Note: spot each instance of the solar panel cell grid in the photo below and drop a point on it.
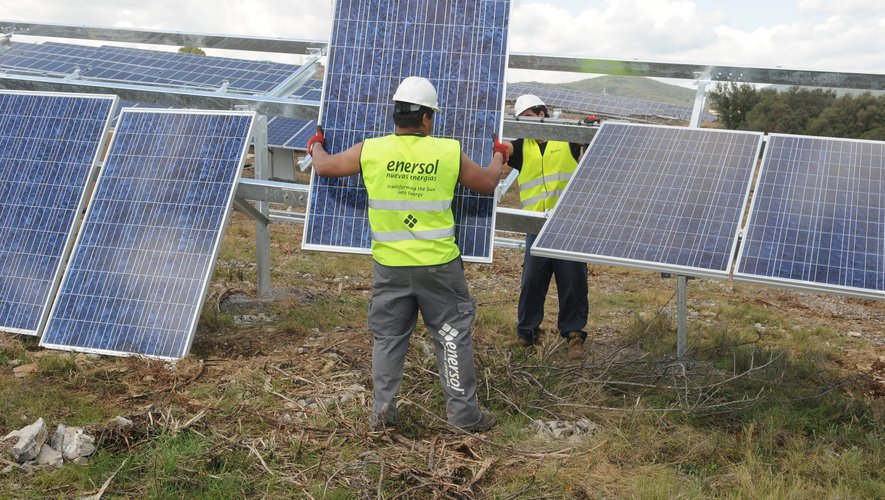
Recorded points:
(147, 66)
(49, 144)
(138, 273)
(817, 219)
(662, 198)
(459, 46)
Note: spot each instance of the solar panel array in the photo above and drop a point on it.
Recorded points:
(140, 268)
(460, 46)
(121, 64)
(817, 219)
(662, 198)
(290, 133)
(49, 146)
(592, 102)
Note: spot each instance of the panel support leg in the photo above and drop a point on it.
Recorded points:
(262, 227)
(681, 315)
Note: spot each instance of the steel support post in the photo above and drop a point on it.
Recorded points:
(681, 315)
(262, 228)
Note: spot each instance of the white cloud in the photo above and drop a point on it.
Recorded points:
(848, 39)
(812, 34)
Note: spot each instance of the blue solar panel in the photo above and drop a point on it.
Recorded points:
(121, 64)
(139, 270)
(817, 220)
(49, 145)
(286, 133)
(460, 46)
(312, 90)
(667, 199)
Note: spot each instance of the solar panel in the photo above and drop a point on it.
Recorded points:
(460, 46)
(122, 64)
(593, 102)
(140, 268)
(49, 146)
(287, 133)
(666, 199)
(817, 220)
(312, 90)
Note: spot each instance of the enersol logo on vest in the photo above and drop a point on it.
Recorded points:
(450, 358)
(409, 167)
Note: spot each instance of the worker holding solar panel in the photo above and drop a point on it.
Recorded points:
(545, 168)
(411, 177)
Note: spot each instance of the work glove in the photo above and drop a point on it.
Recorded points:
(317, 138)
(500, 147)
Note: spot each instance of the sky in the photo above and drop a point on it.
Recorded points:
(843, 35)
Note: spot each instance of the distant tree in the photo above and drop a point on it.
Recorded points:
(788, 112)
(188, 49)
(860, 117)
(733, 101)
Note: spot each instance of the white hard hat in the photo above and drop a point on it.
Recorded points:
(526, 101)
(417, 90)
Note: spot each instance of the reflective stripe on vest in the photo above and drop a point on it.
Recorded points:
(543, 177)
(411, 181)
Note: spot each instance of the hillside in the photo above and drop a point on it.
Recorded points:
(634, 87)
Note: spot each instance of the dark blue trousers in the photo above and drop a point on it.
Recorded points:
(571, 283)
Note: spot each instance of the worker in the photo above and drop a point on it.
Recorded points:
(544, 170)
(410, 177)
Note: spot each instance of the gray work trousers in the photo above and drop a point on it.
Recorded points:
(440, 293)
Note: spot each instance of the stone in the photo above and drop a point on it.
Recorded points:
(72, 442)
(48, 456)
(30, 440)
(119, 422)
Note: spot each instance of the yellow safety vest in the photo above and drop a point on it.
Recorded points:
(411, 181)
(543, 177)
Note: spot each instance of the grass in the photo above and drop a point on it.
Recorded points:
(765, 409)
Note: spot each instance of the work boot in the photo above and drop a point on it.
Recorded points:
(575, 345)
(486, 422)
(518, 342)
(384, 418)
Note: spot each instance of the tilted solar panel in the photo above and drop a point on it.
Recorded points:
(666, 199)
(284, 132)
(594, 102)
(140, 268)
(460, 46)
(817, 220)
(122, 64)
(49, 147)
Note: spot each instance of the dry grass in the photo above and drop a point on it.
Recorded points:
(783, 397)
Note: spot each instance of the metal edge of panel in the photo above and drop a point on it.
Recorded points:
(520, 221)
(810, 286)
(693, 272)
(292, 194)
(176, 98)
(549, 130)
(157, 37)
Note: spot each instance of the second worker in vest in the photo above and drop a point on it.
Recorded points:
(545, 168)
(410, 178)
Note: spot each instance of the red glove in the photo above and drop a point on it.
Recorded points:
(500, 147)
(317, 138)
